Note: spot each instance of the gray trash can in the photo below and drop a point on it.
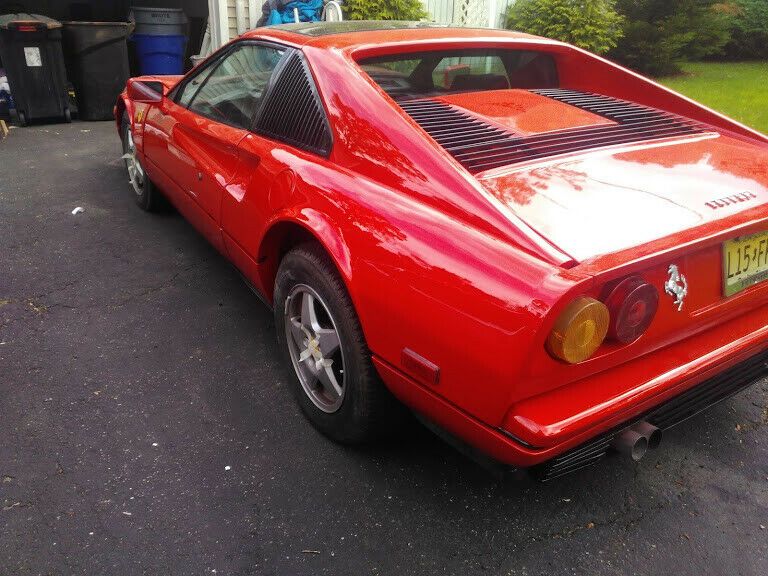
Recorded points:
(158, 21)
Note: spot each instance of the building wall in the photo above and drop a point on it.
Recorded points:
(458, 12)
(242, 15)
(101, 10)
(467, 12)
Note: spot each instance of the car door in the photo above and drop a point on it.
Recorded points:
(209, 117)
(163, 160)
(291, 127)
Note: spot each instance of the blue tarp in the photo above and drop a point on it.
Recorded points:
(309, 11)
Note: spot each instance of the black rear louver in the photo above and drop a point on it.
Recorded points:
(673, 412)
(480, 146)
(293, 113)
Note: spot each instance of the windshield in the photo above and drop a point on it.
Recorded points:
(416, 75)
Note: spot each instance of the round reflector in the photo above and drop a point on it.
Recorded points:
(632, 305)
(579, 330)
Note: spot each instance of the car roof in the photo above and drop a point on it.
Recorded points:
(353, 33)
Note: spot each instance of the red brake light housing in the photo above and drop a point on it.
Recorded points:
(25, 27)
(632, 304)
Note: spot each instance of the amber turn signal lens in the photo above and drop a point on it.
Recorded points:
(579, 330)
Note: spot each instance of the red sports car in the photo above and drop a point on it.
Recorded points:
(540, 253)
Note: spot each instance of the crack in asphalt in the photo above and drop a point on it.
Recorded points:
(159, 287)
(41, 309)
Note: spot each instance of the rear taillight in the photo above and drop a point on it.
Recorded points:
(632, 305)
(624, 315)
(579, 330)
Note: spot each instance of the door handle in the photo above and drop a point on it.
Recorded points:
(247, 152)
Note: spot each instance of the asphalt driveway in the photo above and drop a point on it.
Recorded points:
(146, 427)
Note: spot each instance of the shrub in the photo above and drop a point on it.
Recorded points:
(749, 29)
(590, 24)
(384, 10)
(659, 34)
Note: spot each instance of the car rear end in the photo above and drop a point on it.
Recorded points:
(673, 233)
(664, 216)
(627, 349)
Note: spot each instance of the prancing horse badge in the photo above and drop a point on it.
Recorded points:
(676, 286)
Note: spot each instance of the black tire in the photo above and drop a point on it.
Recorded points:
(368, 410)
(22, 119)
(67, 116)
(149, 198)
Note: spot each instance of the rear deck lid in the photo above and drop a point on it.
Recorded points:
(609, 200)
(594, 174)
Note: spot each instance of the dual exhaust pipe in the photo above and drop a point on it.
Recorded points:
(636, 440)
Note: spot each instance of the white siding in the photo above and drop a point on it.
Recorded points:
(439, 10)
(249, 12)
(466, 12)
(458, 12)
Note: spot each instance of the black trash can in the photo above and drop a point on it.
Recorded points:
(30, 48)
(97, 64)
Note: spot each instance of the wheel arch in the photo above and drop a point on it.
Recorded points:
(123, 104)
(286, 233)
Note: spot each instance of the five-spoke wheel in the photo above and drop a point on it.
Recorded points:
(330, 368)
(147, 196)
(135, 171)
(315, 348)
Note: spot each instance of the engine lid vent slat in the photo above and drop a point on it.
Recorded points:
(479, 145)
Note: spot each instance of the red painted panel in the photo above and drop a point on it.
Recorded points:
(471, 273)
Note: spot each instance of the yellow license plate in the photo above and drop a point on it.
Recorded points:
(745, 262)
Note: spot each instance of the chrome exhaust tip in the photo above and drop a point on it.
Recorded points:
(651, 433)
(631, 443)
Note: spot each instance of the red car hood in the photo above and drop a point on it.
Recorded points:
(603, 201)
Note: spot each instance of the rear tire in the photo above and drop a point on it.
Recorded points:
(148, 197)
(364, 410)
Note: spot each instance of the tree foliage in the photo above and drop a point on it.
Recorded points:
(749, 28)
(384, 10)
(658, 34)
(590, 24)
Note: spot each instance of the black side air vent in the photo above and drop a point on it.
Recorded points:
(480, 146)
(293, 113)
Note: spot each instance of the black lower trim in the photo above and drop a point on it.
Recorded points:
(672, 412)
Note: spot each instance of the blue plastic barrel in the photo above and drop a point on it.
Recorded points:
(160, 54)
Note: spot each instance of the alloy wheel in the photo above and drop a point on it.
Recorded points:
(315, 348)
(135, 171)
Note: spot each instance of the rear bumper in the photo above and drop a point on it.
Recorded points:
(583, 437)
(670, 413)
(573, 413)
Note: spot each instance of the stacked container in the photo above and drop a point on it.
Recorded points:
(160, 37)
(30, 47)
(97, 65)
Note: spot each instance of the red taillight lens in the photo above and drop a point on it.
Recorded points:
(632, 304)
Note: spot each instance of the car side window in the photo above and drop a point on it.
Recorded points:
(190, 88)
(233, 91)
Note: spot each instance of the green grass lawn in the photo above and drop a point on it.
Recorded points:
(737, 89)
